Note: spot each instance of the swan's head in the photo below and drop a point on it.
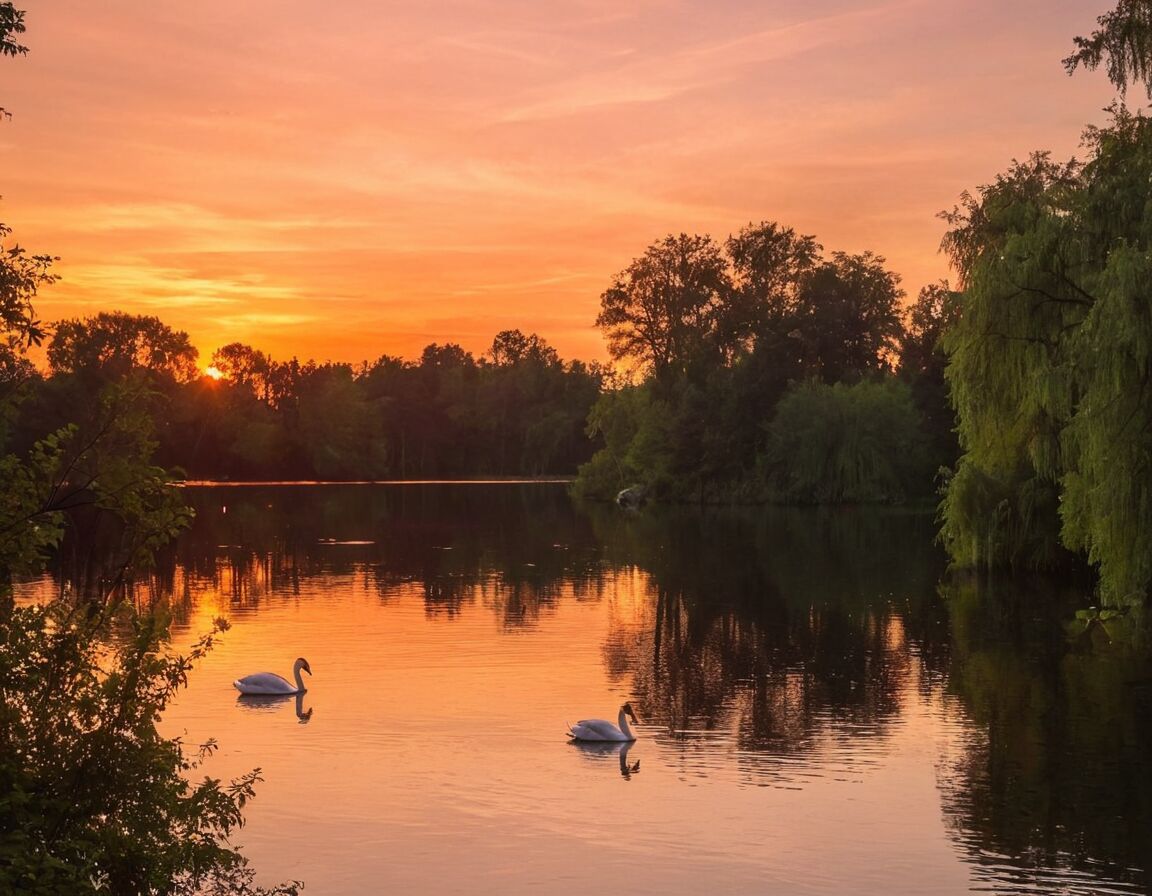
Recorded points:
(302, 663)
(627, 710)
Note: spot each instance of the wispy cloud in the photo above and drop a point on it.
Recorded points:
(142, 283)
(656, 77)
(384, 173)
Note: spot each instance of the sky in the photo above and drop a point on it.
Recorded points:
(365, 177)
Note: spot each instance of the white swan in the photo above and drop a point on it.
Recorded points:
(271, 683)
(599, 729)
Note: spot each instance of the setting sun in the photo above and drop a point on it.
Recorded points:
(213, 373)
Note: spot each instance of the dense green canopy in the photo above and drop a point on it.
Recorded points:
(1050, 362)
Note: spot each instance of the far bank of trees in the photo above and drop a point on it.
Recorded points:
(518, 410)
(767, 370)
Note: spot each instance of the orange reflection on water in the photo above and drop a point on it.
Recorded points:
(436, 734)
(798, 731)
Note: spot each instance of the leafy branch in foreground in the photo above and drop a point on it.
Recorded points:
(92, 798)
(92, 480)
(21, 276)
(11, 23)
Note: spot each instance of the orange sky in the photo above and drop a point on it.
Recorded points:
(361, 177)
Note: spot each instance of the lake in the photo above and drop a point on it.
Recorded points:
(822, 710)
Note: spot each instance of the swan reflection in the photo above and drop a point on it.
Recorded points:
(601, 751)
(273, 702)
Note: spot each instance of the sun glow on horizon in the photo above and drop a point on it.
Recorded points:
(213, 373)
(429, 179)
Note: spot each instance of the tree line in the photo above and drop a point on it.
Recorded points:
(764, 369)
(518, 410)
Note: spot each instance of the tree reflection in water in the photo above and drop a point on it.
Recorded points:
(1055, 775)
(778, 632)
(779, 627)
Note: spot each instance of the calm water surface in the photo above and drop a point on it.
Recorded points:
(819, 714)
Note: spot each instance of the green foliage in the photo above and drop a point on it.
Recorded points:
(335, 427)
(1123, 43)
(857, 443)
(520, 411)
(21, 276)
(922, 364)
(1000, 520)
(17, 376)
(92, 798)
(633, 427)
(92, 479)
(30, 526)
(1050, 364)
(721, 334)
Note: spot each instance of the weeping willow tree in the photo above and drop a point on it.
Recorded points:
(1050, 363)
(1122, 44)
(841, 444)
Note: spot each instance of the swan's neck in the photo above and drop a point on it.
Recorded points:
(299, 681)
(622, 719)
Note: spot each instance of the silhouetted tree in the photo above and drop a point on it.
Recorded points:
(11, 23)
(21, 276)
(922, 364)
(769, 262)
(667, 310)
(721, 335)
(847, 317)
(114, 344)
(246, 368)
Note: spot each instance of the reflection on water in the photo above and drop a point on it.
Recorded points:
(1055, 767)
(600, 751)
(821, 714)
(273, 702)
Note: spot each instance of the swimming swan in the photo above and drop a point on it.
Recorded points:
(271, 683)
(598, 729)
